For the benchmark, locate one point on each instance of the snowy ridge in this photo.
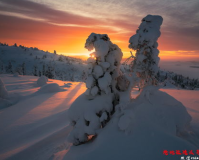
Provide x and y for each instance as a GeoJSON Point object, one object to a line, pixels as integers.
{"type": "Point", "coordinates": [32, 61]}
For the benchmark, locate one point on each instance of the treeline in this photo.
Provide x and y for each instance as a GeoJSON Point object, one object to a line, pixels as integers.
{"type": "Point", "coordinates": [178, 80]}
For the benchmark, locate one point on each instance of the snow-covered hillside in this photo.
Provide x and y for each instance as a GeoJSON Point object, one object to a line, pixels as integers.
{"type": "Point", "coordinates": [35, 127]}
{"type": "Point", "coordinates": [32, 61]}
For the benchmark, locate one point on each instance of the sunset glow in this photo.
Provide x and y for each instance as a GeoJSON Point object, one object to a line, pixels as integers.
{"type": "Point", "coordinates": [65, 25]}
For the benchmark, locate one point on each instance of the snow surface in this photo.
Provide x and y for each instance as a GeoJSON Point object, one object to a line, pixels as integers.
{"type": "Point", "coordinates": [36, 127]}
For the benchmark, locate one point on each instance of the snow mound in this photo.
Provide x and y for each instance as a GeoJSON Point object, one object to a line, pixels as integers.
{"type": "Point", "coordinates": [158, 108]}
{"type": "Point", "coordinates": [42, 81]}
{"type": "Point", "coordinates": [140, 126]}
{"type": "Point", "coordinates": [50, 88]}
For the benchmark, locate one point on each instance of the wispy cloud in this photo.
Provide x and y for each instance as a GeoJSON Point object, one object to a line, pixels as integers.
{"type": "Point", "coordinates": [40, 11]}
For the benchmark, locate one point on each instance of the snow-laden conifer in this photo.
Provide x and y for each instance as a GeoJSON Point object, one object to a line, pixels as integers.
{"type": "Point", "coordinates": [93, 109]}
{"type": "Point", "coordinates": [103, 65]}
{"type": "Point", "coordinates": [145, 43]}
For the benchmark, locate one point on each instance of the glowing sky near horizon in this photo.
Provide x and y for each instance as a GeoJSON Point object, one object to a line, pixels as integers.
{"type": "Point", "coordinates": [64, 25]}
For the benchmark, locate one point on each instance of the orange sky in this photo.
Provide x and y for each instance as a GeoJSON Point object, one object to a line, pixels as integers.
{"type": "Point", "coordinates": [64, 27]}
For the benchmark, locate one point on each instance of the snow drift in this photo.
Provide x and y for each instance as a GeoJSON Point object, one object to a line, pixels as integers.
{"type": "Point", "coordinates": [50, 88]}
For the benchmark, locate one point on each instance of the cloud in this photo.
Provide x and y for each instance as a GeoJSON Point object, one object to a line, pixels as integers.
{"type": "Point", "coordinates": [36, 10]}
{"type": "Point", "coordinates": [119, 19]}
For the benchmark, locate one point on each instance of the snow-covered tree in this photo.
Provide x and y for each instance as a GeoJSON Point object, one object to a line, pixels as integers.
{"type": "Point", "coordinates": [50, 72]}
{"type": "Point", "coordinates": [103, 65]}
{"type": "Point", "coordinates": [23, 68]}
{"type": "Point", "coordinates": [19, 70]}
{"type": "Point", "coordinates": [145, 43]}
{"type": "Point", "coordinates": [15, 45]}
{"type": "Point", "coordinates": [9, 68]}
{"type": "Point", "coordinates": [61, 58]}
{"type": "Point", "coordinates": [55, 52]}
{"type": "Point", "coordinates": [3, 90]}
{"type": "Point", "coordinates": [44, 69]}
{"type": "Point", "coordinates": [93, 109]}
{"type": "Point", "coordinates": [1, 67]}
{"type": "Point", "coordinates": [35, 70]}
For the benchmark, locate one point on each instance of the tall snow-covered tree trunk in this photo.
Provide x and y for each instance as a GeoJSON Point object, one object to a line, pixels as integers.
{"type": "Point", "coordinates": [145, 43]}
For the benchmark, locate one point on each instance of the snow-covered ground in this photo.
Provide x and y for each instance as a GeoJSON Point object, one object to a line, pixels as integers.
{"type": "Point", "coordinates": [36, 126]}
{"type": "Point", "coordinates": [190, 99]}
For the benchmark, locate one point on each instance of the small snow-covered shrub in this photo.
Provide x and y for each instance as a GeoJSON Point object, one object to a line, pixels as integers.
{"type": "Point", "coordinates": [3, 90]}
{"type": "Point", "coordinates": [145, 43]}
{"type": "Point", "coordinates": [93, 109]}
{"type": "Point", "coordinates": [42, 81]}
